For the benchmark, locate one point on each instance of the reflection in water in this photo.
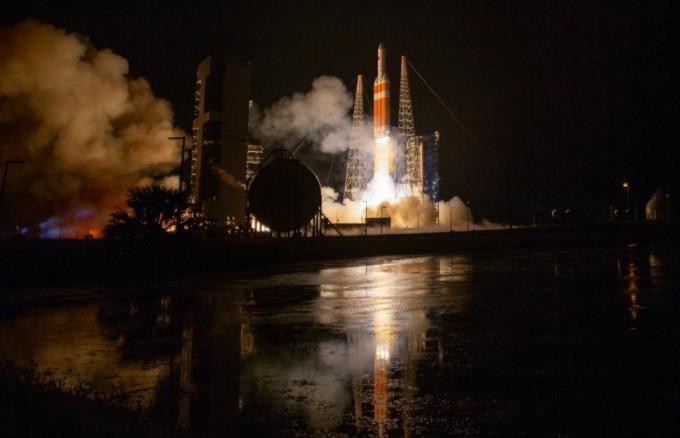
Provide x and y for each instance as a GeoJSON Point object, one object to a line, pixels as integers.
{"type": "Point", "coordinates": [77, 347]}
{"type": "Point", "coordinates": [383, 308]}
{"type": "Point", "coordinates": [185, 368]}
{"type": "Point", "coordinates": [633, 290]}
{"type": "Point", "coordinates": [639, 271]}
{"type": "Point", "coordinates": [250, 348]}
{"type": "Point", "coordinates": [356, 349]}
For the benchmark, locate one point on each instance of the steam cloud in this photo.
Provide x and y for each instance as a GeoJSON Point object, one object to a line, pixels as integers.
{"type": "Point", "coordinates": [319, 116]}
{"type": "Point", "coordinates": [408, 214]}
{"type": "Point", "coordinates": [85, 130]}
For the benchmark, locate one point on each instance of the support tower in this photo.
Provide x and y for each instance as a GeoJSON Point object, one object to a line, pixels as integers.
{"type": "Point", "coordinates": [409, 157]}
{"type": "Point", "coordinates": [355, 178]}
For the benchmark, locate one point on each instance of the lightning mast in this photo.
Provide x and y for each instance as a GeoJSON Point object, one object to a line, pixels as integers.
{"type": "Point", "coordinates": [408, 166]}
{"type": "Point", "coordinates": [355, 178]}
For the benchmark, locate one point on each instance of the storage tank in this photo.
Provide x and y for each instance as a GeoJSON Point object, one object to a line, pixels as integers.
{"type": "Point", "coordinates": [284, 195]}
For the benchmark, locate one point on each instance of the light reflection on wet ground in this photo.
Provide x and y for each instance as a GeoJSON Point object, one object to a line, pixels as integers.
{"type": "Point", "coordinates": [540, 343]}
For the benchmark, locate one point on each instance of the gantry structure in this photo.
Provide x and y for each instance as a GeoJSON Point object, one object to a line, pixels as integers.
{"type": "Point", "coordinates": [408, 157]}
{"type": "Point", "coordinates": [355, 178]}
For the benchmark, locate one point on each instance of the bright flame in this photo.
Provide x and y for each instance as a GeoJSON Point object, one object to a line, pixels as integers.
{"type": "Point", "coordinates": [381, 187]}
{"type": "Point", "coordinates": [383, 156]}
{"type": "Point", "coordinates": [382, 352]}
{"type": "Point", "coordinates": [379, 190]}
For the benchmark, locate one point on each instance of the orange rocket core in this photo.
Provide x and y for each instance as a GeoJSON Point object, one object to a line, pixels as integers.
{"type": "Point", "coordinates": [381, 108]}
{"type": "Point", "coordinates": [381, 98]}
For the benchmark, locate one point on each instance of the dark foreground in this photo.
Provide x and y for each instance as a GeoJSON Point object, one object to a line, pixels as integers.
{"type": "Point", "coordinates": [31, 263]}
{"type": "Point", "coordinates": [559, 342]}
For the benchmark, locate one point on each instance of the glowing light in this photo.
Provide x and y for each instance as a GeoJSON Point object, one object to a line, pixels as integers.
{"type": "Point", "coordinates": [383, 153]}
{"type": "Point", "coordinates": [379, 190]}
{"type": "Point", "coordinates": [382, 352]}
{"type": "Point", "coordinates": [381, 187]}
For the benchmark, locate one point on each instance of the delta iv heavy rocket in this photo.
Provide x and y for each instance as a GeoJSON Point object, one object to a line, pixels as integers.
{"type": "Point", "coordinates": [381, 117]}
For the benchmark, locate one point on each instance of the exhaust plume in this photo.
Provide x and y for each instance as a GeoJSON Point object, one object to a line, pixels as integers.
{"type": "Point", "coordinates": [408, 214]}
{"type": "Point", "coordinates": [85, 130]}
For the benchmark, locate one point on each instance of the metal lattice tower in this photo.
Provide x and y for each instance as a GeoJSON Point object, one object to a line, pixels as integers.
{"type": "Point", "coordinates": [355, 178]}
{"type": "Point", "coordinates": [408, 157]}
{"type": "Point", "coordinates": [406, 125]}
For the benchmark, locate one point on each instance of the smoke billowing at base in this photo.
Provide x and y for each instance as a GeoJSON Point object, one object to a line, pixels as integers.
{"type": "Point", "coordinates": [84, 129]}
{"type": "Point", "coordinates": [407, 214]}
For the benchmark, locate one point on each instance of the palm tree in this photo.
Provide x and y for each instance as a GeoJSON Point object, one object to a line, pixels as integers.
{"type": "Point", "coordinates": [151, 212]}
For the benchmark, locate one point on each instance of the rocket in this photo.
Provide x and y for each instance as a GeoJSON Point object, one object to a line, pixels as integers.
{"type": "Point", "coordinates": [381, 98]}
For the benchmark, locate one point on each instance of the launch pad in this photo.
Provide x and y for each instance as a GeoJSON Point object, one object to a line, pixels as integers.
{"type": "Point", "coordinates": [396, 165]}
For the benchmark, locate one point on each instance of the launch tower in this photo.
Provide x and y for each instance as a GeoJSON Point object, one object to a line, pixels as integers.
{"type": "Point", "coordinates": [355, 178]}
{"type": "Point", "coordinates": [408, 167]}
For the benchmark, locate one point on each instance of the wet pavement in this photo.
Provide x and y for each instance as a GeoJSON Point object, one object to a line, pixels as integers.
{"type": "Point", "coordinates": [553, 343]}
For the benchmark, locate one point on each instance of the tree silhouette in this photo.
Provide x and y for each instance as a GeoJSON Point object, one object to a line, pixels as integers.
{"type": "Point", "coordinates": [151, 212]}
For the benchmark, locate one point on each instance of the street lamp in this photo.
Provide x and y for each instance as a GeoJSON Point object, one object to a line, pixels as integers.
{"type": "Point", "coordinates": [178, 220]}
{"type": "Point", "coordinates": [382, 207]}
{"type": "Point", "coordinates": [366, 219]}
{"type": "Point", "coordinates": [468, 216]}
{"type": "Point", "coordinates": [450, 218]}
{"type": "Point", "coordinates": [626, 186]}
{"type": "Point", "coordinates": [181, 160]}
{"type": "Point", "coordinates": [4, 176]}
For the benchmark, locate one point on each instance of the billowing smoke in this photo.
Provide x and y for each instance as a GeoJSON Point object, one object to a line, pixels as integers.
{"type": "Point", "coordinates": [85, 130]}
{"type": "Point", "coordinates": [320, 116]}
{"type": "Point", "coordinates": [407, 214]}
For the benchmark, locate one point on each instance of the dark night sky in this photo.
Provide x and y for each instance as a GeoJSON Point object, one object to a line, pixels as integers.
{"type": "Point", "coordinates": [568, 98]}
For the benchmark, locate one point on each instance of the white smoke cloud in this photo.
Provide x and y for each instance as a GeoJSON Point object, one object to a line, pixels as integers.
{"type": "Point", "coordinates": [85, 130]}
{"type": "Point", "coordinates": [321, 116]}
{"type": "Point", "coordinates": [407, 214]}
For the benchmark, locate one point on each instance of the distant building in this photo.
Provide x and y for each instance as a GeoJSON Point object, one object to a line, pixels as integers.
{"type": "Point", "coordinates": [220, 137]}
{"type": "Point", "coordinates": [253, 160]}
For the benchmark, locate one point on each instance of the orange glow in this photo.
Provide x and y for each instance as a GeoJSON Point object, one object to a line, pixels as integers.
{"type": "Point", "coordinates": [380, 390]}
{"type": "Point", "coordinates": [381, 107]}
